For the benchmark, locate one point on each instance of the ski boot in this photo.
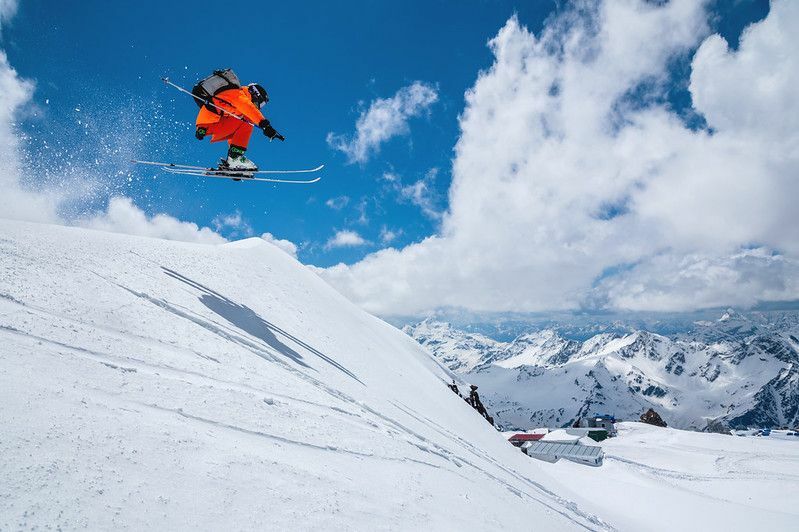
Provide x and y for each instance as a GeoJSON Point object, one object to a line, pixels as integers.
{"type": "Point", "coordinates": [237, 164]}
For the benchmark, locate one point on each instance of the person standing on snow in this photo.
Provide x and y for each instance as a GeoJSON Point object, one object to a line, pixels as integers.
{"type": "Point", "coordinates": [228, 112]}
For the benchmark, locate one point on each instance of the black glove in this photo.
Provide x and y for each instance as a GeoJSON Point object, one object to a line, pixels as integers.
{"type": "Point", "coordinates": [200, 133]}
{"type": "Point", "coordinates": [269, 131]}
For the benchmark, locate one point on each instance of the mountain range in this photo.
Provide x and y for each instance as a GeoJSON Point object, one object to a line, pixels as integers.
{"type": "Point", "coordinates": [736, 371]}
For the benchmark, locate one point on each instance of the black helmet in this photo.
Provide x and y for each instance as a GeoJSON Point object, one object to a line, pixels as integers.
{"type": "Point", "coordinates": [258, 94]}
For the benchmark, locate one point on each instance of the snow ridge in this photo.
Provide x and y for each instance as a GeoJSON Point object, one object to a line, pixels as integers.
{"type": "Point", "coordinates": [157, 384]}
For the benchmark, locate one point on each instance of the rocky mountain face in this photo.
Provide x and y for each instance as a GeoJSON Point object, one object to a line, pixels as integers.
{"type": "Point", "coordinates": [740, 370]}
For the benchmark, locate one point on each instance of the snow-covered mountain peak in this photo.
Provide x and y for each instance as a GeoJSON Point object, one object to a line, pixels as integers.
{"type": "Point", "coordinates": [464, 350]}
{"type": "Point", "coordinates": [731, 315]}
{"type": "Point", "coordinates": [538, 348]}
{"type": "Point", "coordinates": [741, 370]}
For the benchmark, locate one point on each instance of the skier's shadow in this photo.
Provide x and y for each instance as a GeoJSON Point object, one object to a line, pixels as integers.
{"type": "Point", "coordinates": [247, 320]}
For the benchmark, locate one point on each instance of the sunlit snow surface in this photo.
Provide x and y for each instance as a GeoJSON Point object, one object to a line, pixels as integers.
{"type": "Point", "coordinates": [147, 384]}
{"type": "Point", "coordinates": [666, 479]}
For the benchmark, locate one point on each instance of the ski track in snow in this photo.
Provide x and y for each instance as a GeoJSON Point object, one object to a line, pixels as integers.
{"type": "Point", "coordinates": [148, 384]}
{"type": "Point", "coordinates": [118, 347]}
{"type": "Point", "coordinates": [707, 481]}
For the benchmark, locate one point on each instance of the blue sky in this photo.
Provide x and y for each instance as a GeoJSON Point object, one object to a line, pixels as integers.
{"type": "Point", "coordinates": [318, 61]}
{"type": "Point", "coordinates": [493, 156]}
{"type": "Point", "coordinates": [97, 66]}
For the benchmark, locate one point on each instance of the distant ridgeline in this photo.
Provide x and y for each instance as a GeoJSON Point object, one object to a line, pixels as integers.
{"type": "Point", "coordinates": [738, 370]}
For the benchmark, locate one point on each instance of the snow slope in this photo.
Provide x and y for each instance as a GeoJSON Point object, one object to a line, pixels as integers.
{"type": "Point", "coordinates": [666, 479]}
{"type": "Point", "coordinates": [149, 384]}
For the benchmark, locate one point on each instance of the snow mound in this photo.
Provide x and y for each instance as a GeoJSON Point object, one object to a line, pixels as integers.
{"type": "Point", "coordinates": [561, 436]}
{"type": "Point", "coordinates": [156, 384]}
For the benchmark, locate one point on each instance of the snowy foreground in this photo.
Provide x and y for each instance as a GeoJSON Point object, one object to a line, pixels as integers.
{"type": "Point", "coordinates": [665, 479]}
{"type": "Point", "coordinates": [155, 384]}
{"type": "Point", "coordinates": [147, 384]}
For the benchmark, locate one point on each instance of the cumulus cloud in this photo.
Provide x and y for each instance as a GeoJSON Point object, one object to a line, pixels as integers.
{"type": "Point", "coordinates": [122, 216]}
{"type": "Point", "coordinates": [345, 238]}
{"type": "Point", "coordinates": [669, 282]}
{"type": "Point", "coordinates": [574, 185]}
{"type": "Point", "coordinates": [15, 93]}
{"type": "Point", "coordinates": [286, 245]}
{"type": "Point", "coordinates": [385, 118]}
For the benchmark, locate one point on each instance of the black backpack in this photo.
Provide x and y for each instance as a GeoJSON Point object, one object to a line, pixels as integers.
{"type": "Point", "coordinates": [206, 89]}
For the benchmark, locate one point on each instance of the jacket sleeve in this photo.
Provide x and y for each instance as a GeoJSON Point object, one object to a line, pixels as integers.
{"type": "Point", "coordinates": [245, 106]}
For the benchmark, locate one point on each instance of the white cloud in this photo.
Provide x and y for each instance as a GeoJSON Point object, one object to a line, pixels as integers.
{"type": "Point", "coordinates": [345, 238]}
{"type": "Point", "coordinates": [233, 225]}
{"type": "Point", "coordinates": [8, 8]}
{"type": "Point", "coordinates": [122, 216]}
{"type": "Point", "coordinates": [385, 118]}
{"type": "Point", "coordinates": [669, 282]}
{"type": "Point", "coordinates": [17, 201]}
{"type": "Point", "coordinates": [567, 190]}
{"type": "Point", "coordinates": [387, 235]}
{"type": "Point", "coordinates": [363, 218]}
{"type": "Point", "coordinates": [423, 194]}
{"type": "Point", "coordinates": [286, 245]}
{"type": "Point", "coordinates": [338, 203]}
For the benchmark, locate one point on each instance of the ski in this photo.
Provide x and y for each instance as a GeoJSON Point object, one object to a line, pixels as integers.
{"type": "Point", "coordinates": [172, 167]}
{"type": "Point", "coordinates": [241, 176]}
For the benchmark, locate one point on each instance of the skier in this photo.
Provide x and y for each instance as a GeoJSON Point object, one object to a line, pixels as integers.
{"type": "Point", "coordinates": [454, 387]}
{"type": "Point", "coordinates": [477, 404]}
{"type": "Point", "coordinates": [228, 112]}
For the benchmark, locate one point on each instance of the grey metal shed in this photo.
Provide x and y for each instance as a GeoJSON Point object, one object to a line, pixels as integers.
{"type": "Point", "coordinates": [550, 452]}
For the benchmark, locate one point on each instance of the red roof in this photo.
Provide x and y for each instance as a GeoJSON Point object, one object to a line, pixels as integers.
{"type": "Point", "coordinates": [525, 437]}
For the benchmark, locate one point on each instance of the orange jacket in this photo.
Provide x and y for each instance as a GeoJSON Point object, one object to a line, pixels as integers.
{"type": "Point", "coordinates": [237, 101]}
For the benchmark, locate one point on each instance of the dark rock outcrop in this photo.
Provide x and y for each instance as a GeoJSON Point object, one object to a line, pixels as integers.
{"type": "Point", "coordinates": [652, 418]}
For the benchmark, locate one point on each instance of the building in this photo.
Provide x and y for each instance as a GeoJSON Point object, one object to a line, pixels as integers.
{"type": "Point", "coordinates": [592, 455]}
{"type": "Point", "coordinates": [596, 434]}
{"type": "Point", "coordinates": [598, 421]}
{"type": "Point", "coordinates": [517, 440]}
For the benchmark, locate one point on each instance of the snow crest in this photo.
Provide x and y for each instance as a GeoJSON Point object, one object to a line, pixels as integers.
{"type": "Point", "coordinates": [150, 384]}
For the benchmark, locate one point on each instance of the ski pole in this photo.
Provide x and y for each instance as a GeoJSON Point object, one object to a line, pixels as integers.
{"type": "Point", "coordinates": [208, 102]}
